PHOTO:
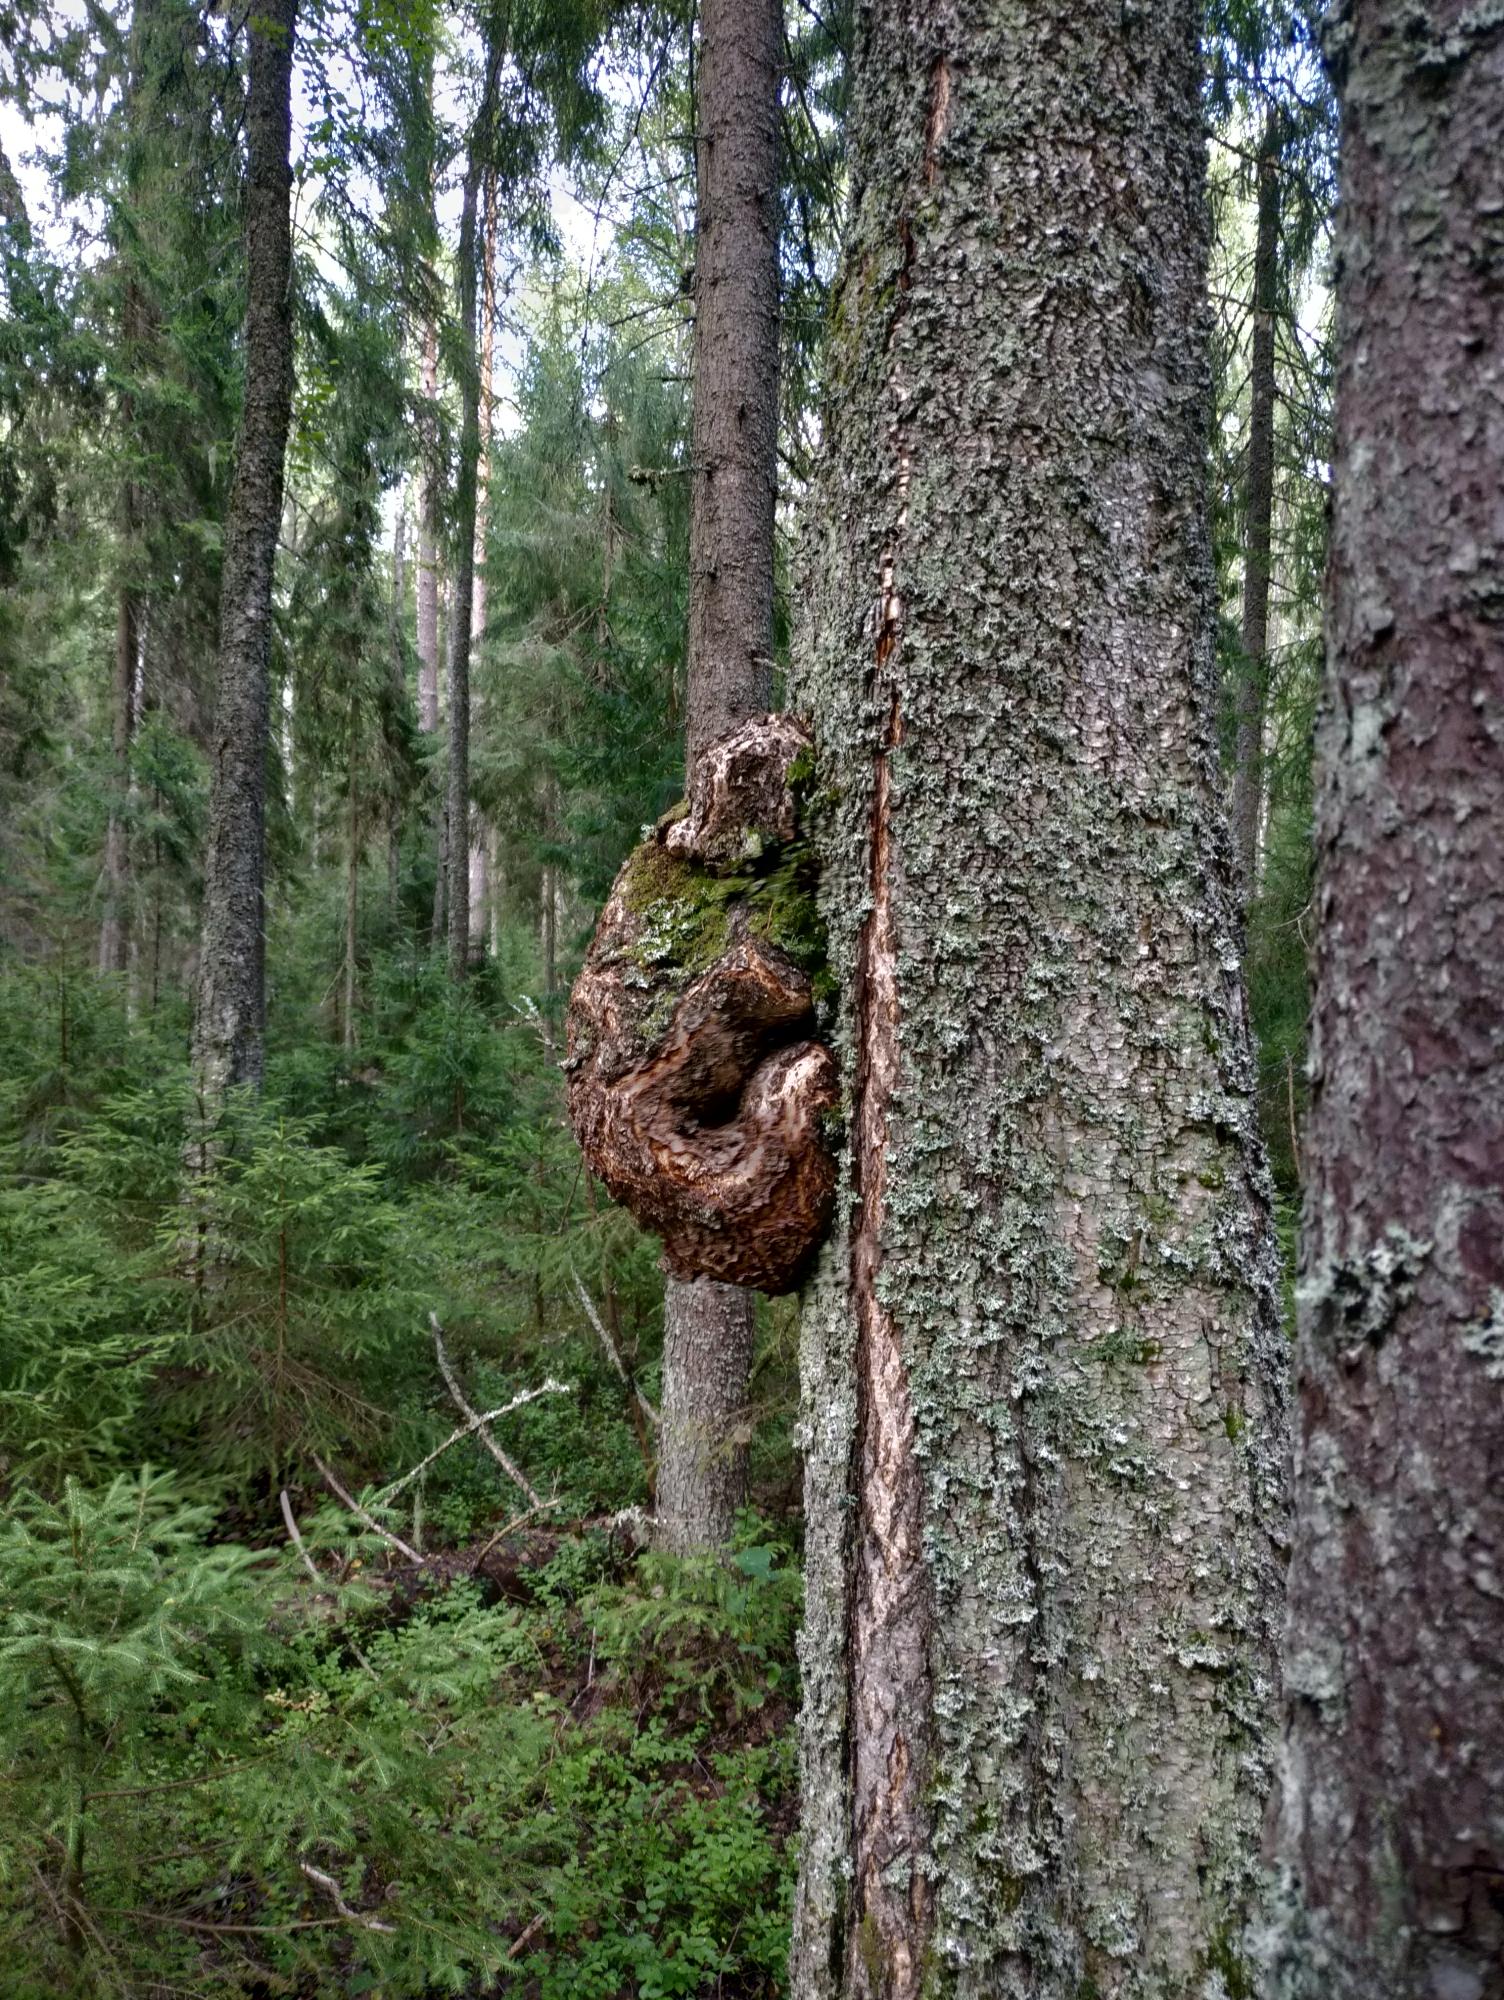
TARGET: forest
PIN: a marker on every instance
(752, 999)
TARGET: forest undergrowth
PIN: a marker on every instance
(462, 1736)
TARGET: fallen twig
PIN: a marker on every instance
(548, 1388)
(297, 1541)
(331, 1889)
(613, 1355)
(369, 1520)
(527, 1936)
(451, 1383)
(516, 1522)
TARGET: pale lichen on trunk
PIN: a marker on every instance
(1043, 1371)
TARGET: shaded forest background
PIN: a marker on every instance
(283, 1713)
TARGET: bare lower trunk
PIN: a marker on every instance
(1253, 668)
(480, 891)
(230, 1022)
(1390, 1829)
(1043, 1373)
(735, 461)
(702, 1464)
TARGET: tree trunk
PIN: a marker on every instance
(480, 847)
(1253, 668)
(708, 1329)
(352, 889)
(394, 809)
(1390, 1826)
(430, 514)
(466, 492)
(230, 1023)
(114, 928)
(1043, 1370)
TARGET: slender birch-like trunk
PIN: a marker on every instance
(1043, 1370)
(708, 1328)
(430, 516)
(229, 1028)
(1390, 1829)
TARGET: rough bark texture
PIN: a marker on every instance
(1390, 1827)
(703, 1437)
(697, 1090)
(1253, 669)
(734, 454)
(735, 363)
(1043, 1371)
(230, 1021)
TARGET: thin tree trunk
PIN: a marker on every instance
(457, 832)
(230, 1023)
(494, 878)
(708, 1329)
(394, 813)
(1390, 1828)
(352, 893)
(1253, 668)
(114, 928)
(430, 513)
(1043, 1371)
(480, 847)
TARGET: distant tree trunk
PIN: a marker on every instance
(493, 874)
(1043, 1370)
(114, 928)
(457, 828)
(708, 1328)
(1390, 1828)
(1253, 668)
(430, 517)
(230, 1023)
(352, 887)
(399, 601)
(480, 848)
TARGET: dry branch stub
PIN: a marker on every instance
(698, 1089)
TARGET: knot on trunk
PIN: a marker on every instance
(697, 1088)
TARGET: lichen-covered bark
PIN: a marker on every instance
(1043, 1370)
(1390, 1828)
(230, 1020)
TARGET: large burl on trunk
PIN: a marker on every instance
(697, 1089)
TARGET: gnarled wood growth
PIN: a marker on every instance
(698, 1091)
